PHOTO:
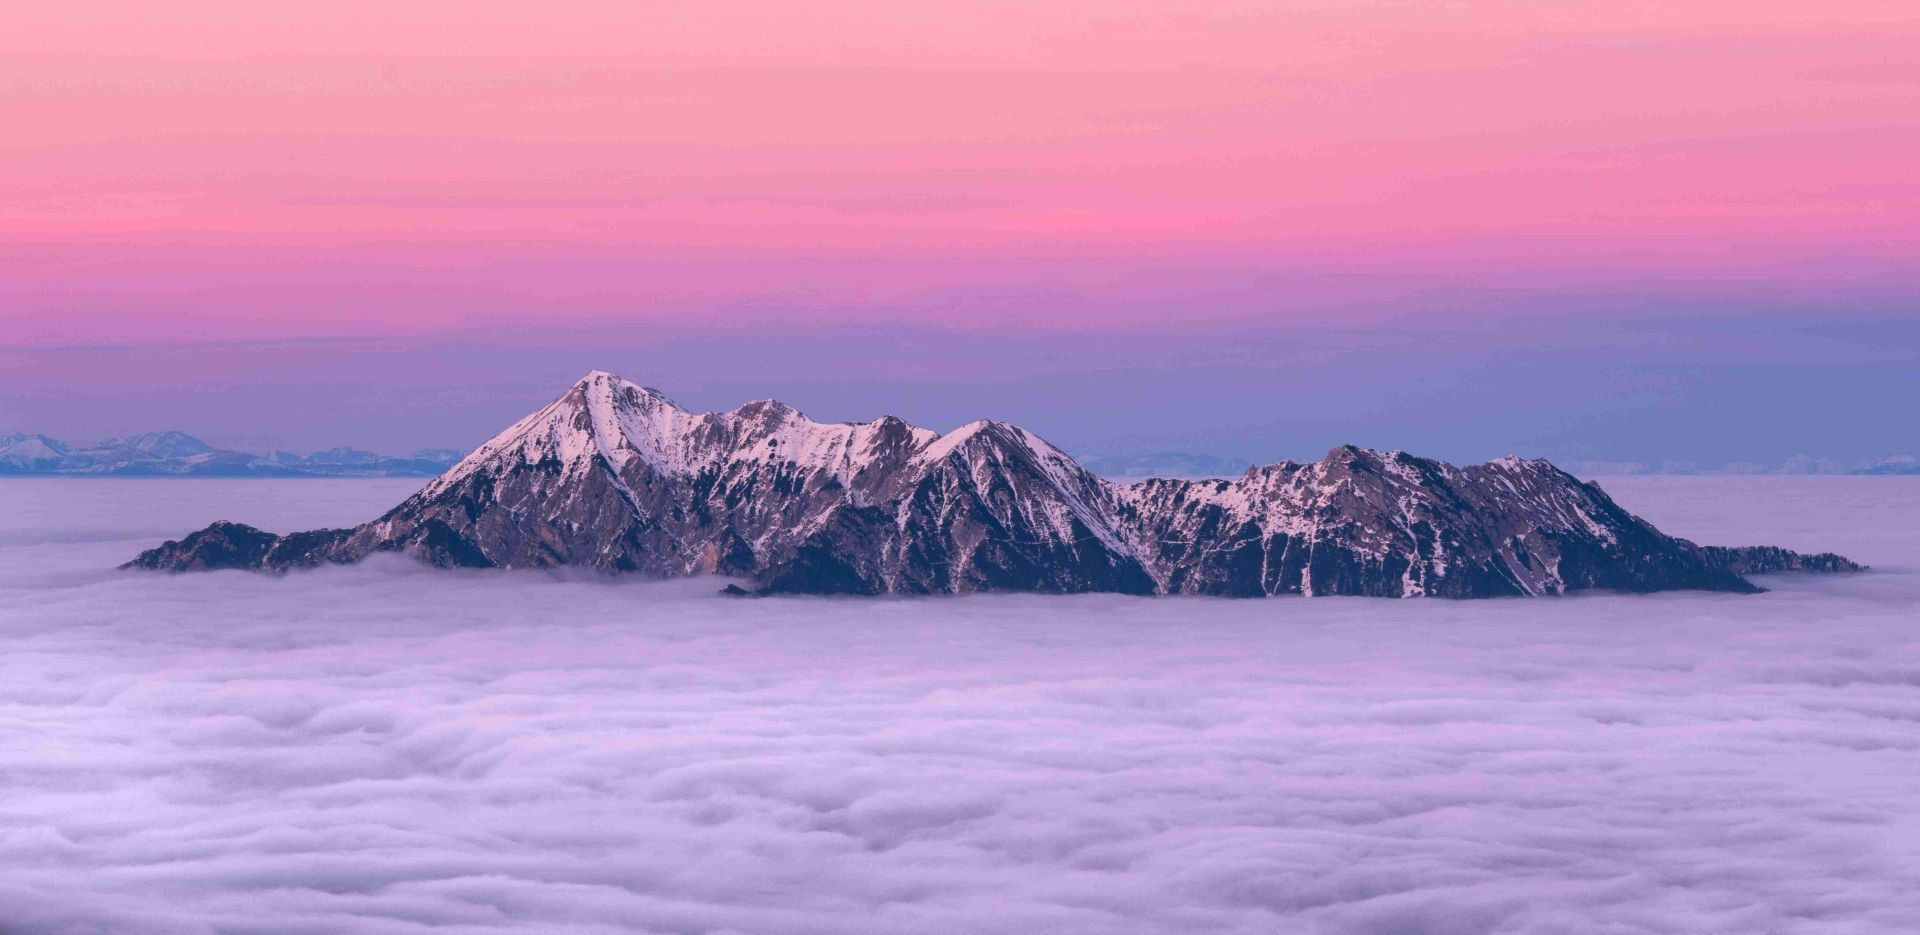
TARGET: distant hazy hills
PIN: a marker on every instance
(1167, 464)
(1200, 465)
(1898, 464)
(177, 454)
(1894, 464)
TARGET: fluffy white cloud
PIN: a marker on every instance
(387, 749)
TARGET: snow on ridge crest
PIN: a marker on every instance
(618, 420)
(943, 445)
(613, 475)
(608, 419)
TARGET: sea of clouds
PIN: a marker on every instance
(389, 749)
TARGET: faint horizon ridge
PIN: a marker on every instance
(173, 453)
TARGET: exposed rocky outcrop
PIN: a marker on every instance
(614, 476)
(237, 545)
(1768, 560)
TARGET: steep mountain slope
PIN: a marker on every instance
(614, 476)
(21, 453)
(1390, 524)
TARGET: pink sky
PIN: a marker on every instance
(242, 170)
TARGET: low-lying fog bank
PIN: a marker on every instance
(391, 749)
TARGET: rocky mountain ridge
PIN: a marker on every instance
(614, 476)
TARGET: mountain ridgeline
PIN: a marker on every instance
(177, 454)
(614, 476)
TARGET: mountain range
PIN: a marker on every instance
(177, 454)
(1173, 464)
(1906, 464)
(613, 476)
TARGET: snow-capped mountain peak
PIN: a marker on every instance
(600, 417)
(606, 419)
(613, 475)
(30, 452)
(162, 444)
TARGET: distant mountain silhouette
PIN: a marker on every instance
(177, 454)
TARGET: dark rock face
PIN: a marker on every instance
(1393, 525)
(615, 477)
(1767, 560)
(236, 545)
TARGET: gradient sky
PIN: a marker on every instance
(1583, 230)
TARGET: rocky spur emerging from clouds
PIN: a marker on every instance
(386, 748)
(613, 476)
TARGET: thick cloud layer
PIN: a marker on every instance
(386, 749)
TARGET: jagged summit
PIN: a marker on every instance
(615, 476)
